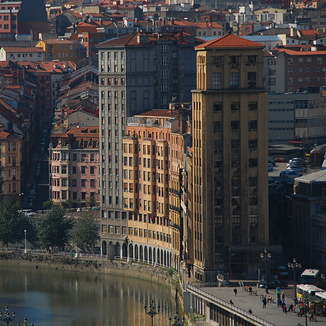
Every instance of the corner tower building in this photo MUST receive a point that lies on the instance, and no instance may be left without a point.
(230, 190)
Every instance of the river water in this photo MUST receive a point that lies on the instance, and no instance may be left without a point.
(49, 297)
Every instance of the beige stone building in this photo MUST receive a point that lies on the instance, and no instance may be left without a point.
(153, 154)
(229, 178)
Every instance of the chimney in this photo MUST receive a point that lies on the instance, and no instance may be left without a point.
(142, 39)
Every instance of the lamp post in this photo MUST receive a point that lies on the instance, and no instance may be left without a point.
(152, 310)
(266, 256)
(25, 322)
(25, 232)
(7, 317)
(294, 266)
(177, 320)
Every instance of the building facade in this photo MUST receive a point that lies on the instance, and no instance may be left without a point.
(137, 72)
(230, 193)
(73, 166)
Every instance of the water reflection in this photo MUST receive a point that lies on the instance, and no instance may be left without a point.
(50, 297)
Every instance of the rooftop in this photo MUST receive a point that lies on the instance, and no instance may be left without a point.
(229, 41)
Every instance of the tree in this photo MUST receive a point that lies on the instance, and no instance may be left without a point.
(11, 226)
(47, 204)
(53, 229)
(91, 200)
(86, 233)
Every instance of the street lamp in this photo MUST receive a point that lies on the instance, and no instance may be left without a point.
(7, 317)
(25, 232)
(177, 320)
(25, 322)
(266, 256)
(294, 266)
(152, 310)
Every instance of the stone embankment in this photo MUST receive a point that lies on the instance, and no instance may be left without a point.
(122, 268)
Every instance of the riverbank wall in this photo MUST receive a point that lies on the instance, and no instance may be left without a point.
(132, 269)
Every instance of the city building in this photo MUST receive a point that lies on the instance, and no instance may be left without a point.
(57, 49)
(137, 72)
(153, 156)
(296, 117)
(294, 68)
(73, 164)
(21, 54)
(22, 19)
(229, 129)
(307, 222)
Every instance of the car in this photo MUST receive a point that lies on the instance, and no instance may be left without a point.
(273, 284)
(271, 160)
(270, 167)
(281, 272)
(296, 160)
(291, 173)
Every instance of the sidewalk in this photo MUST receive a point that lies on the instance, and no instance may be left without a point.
(272, 313)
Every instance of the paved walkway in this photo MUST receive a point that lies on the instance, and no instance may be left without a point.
(272, 313)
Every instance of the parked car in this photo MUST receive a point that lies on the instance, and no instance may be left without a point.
(271, 160)
(270, 167)
(273, 285)
(291, 173)
(281, 272)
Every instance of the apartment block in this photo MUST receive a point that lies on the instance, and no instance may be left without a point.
(137, 72)
(73, 165)
(153, 154)
(229, 179)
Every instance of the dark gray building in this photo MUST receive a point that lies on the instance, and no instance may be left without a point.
(308, 220)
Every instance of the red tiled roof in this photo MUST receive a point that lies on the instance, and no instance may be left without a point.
(301, 53)
(230, 41)
(22, 49)
(310, 32)
(208, 25)
(4, 134)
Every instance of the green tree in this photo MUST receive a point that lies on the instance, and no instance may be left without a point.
(11, 226)
(47, 204)
(86, 233)
(91, 200)
(54, 229)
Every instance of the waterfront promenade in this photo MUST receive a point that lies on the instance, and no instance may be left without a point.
(272, 314)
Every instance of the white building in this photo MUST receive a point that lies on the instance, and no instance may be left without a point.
(15, 53)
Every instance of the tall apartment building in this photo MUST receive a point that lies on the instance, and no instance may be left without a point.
(152, 165)
(230, 193)
(73, 164)
(137, 72)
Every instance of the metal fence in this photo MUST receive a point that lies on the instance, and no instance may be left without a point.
(194, 288)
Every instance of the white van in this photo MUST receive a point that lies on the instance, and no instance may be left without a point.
(26, 212)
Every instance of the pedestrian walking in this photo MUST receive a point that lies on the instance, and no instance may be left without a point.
(250, 311)
(250, 290)
(235, 292)
(285, 309)
(283, 296)
(231, 302)
(264, 301)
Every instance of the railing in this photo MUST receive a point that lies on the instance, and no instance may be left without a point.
(225, 304)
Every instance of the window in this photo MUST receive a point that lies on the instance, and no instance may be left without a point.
(164, 61)
(252, 125)
(217, 106)
(217, 80)
(234, 79)
(235, 105)
(251, 58)
(74, 170)
(251, 79)
(83, 169)
(83, 182)
(252, 106)
(234, 59)
(64, 169)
